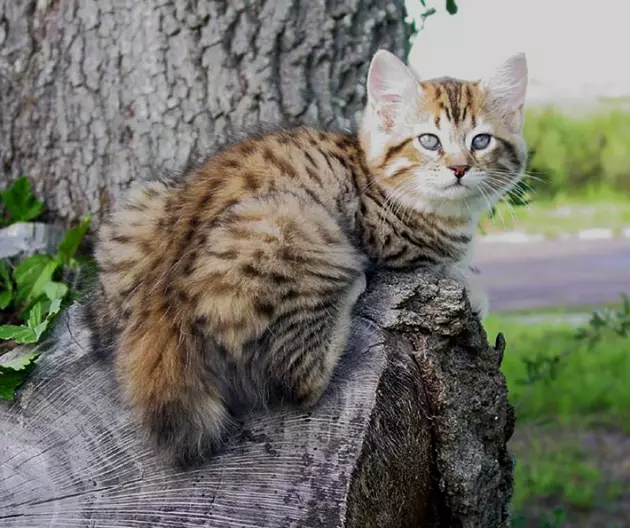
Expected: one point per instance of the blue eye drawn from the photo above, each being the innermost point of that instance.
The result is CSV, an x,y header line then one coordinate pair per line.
x,y
481,141
429,141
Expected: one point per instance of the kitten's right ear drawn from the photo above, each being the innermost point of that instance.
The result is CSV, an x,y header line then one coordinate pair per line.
x,y
390,87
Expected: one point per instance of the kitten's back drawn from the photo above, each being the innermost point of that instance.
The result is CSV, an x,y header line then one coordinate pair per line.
x,y
196,275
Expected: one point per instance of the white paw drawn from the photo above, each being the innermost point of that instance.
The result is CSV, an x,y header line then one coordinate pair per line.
x,y
476,296
478,300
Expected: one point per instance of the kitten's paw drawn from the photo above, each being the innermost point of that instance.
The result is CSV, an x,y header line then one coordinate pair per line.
x,y
476,296
478,300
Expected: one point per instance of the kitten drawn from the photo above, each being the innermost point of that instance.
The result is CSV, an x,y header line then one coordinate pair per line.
x,y
234,287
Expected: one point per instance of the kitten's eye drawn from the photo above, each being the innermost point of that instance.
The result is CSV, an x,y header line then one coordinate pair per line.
x,y
429,141
481,141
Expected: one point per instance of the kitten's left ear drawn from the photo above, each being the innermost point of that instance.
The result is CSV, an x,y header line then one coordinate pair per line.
x,y
391,86
507,88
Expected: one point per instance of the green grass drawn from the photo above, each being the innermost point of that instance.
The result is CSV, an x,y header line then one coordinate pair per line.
x,y
563,215
513,316
548,467
589,386
588,389
579,173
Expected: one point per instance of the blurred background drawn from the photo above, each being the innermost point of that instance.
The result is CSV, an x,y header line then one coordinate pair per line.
x,y
556,267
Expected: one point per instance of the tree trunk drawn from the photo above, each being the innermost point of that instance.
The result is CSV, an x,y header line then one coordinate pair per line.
x,y
97,93
411,433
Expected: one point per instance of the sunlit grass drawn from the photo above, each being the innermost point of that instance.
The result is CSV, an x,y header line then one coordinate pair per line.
x,y
588,385
548,465
563,215
588,391
578,170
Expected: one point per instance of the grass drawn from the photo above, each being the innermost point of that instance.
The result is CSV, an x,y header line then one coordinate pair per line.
x,y
587,393
589,386
549,467
579,168
563,215
495,322
556,466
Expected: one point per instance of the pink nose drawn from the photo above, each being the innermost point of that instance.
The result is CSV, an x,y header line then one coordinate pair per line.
x,y
459,170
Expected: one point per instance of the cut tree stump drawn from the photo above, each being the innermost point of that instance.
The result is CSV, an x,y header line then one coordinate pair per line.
x,y
411,433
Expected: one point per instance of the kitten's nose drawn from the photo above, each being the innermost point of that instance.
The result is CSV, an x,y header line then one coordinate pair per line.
x,y
459,170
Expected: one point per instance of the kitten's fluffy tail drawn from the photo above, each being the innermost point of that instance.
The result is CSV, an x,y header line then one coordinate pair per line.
x,y
160,368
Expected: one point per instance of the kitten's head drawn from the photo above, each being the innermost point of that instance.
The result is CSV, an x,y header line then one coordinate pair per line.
x,y
445,146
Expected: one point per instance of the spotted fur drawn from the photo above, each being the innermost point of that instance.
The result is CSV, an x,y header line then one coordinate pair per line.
x,y
233,287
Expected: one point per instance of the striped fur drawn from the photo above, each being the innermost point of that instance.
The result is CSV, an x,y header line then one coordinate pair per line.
x,y
233,287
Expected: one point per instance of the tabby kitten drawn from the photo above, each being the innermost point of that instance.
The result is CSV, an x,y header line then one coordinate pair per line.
x,y
234,286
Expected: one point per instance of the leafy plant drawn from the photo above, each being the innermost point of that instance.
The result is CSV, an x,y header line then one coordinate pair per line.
x,y
19,202
32,293
13,374
427,11
543,368
451,7
6,286
70,244
607,321
577,155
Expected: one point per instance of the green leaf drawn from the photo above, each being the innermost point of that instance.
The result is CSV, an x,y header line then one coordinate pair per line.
x,y
32,275
6,286
14,373
5,276
35,327
70,244
19,363
597,321
5,299
44,279
19,334
29,269
54,308
41,328
55,290
451,7
20,202
428,13
35,315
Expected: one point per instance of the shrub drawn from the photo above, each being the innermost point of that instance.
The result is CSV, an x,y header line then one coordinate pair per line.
x,y
576,155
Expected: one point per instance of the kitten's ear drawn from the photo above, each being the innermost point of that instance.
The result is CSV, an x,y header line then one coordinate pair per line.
x,y
507,87
390,87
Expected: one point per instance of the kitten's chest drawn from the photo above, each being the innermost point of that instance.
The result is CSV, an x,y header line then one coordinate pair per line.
x,y
396,241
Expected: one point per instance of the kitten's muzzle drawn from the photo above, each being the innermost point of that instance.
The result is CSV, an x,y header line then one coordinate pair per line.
x,y
459,171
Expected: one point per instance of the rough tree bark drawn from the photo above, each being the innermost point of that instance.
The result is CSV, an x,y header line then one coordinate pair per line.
x,y
97,93
412,433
